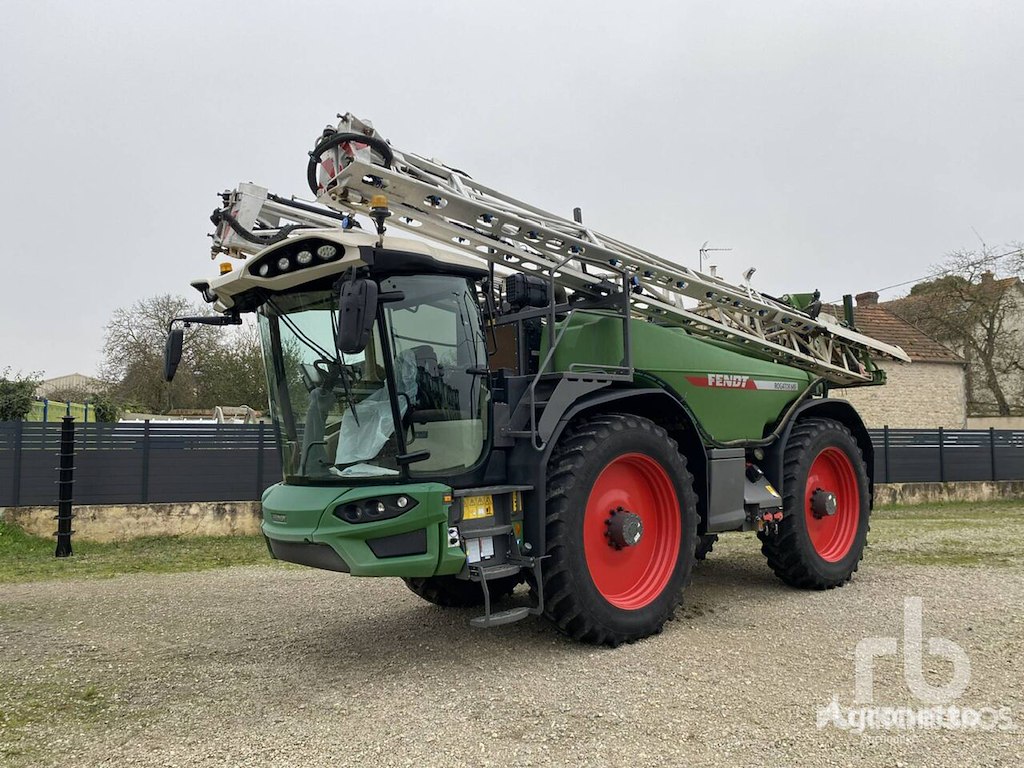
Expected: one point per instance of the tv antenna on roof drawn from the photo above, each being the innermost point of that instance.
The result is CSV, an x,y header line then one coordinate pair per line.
x,y
704,251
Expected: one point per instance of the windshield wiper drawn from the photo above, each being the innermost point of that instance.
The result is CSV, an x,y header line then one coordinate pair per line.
x,y
348,392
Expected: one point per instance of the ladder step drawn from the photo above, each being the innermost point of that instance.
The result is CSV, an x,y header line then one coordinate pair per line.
x,y
492,572
501,617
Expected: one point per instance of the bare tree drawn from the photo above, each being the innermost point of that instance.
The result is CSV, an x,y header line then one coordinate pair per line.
x,y
232,373
980,316
133,353
219,366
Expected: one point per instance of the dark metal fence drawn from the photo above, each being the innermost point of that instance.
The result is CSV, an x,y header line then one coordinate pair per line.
x,y
947,455
149,462
139,463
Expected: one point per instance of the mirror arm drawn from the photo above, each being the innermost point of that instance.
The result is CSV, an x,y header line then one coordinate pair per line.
x,y
230,319
172,350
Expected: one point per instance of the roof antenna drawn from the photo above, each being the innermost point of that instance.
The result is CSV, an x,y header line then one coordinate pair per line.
x,y
704,251
981,240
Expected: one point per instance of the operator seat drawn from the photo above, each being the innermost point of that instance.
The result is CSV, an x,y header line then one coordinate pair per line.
x,y
436,399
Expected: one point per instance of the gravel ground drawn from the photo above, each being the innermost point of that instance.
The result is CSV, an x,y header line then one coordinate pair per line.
x,y
271,666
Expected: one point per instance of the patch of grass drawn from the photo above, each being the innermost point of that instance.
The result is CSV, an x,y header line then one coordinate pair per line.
x,y
31,706
980,509
977,535
30,558
42,704
984,534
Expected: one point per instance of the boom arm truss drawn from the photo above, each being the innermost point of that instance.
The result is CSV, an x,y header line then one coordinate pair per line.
x,y
445,205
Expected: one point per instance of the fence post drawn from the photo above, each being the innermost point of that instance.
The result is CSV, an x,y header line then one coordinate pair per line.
x,y
46,409
65,484
992,450
19,430
942,456
145,462
885,452
259,463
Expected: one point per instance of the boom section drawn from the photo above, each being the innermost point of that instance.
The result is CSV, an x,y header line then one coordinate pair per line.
x,y
445,205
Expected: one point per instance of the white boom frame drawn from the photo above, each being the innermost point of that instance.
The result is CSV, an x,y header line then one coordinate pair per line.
x,y
445,205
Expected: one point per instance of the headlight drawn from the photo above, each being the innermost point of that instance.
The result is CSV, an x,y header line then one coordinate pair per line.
x,y
283,264
304,257
326,252
264,269
371,510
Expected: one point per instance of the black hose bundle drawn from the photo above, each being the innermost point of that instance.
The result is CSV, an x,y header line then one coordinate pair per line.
x,y
332,140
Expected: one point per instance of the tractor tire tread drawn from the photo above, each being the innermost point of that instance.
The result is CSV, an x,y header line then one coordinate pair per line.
x,y
782,550
562,604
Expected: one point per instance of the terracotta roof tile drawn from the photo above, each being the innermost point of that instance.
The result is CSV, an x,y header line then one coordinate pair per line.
x,y
877,321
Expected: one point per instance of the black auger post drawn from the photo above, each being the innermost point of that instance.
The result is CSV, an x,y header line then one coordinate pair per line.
x,y
65,484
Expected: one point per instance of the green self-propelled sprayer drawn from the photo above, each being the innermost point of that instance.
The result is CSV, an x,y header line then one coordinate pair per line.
x,y
507,396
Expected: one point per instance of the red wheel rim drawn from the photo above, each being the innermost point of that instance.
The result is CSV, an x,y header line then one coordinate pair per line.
x,y
633,576
832,535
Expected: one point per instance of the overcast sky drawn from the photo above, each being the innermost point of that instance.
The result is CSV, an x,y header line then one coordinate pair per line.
x,y
844,146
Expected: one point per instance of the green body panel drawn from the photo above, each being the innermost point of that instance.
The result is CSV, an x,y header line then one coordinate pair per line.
x,y
726,402
303,513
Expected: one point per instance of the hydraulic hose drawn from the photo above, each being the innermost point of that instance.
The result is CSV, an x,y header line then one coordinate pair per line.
x,y
245,234
332,140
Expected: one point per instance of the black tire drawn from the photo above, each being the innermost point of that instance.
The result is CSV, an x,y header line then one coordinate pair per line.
x,y
791,553
450,592
705,544
573,601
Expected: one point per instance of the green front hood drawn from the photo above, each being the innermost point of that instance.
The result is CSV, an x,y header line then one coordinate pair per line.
x,y
304,514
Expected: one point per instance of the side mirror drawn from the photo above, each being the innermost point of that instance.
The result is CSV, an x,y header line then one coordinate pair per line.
x,y
357,308
172,352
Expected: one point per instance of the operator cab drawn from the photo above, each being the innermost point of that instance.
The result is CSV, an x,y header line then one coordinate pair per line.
x,y
376,359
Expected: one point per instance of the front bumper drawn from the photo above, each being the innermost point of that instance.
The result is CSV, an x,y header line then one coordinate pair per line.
x,y
300,527
302,553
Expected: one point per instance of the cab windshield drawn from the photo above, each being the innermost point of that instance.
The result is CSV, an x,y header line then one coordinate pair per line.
x,y
418,389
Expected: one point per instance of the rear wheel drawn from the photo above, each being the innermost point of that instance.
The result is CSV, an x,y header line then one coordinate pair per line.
x,y
827,504
621,529
450,592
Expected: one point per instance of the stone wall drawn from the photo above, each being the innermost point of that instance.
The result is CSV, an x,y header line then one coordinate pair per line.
x,y
119,522
242,518
916,396
996,422
890,494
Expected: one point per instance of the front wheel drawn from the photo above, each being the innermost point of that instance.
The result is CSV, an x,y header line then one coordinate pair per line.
x,y
621,529
827,502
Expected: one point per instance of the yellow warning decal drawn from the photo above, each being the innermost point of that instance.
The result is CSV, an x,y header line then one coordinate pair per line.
x,y
476,507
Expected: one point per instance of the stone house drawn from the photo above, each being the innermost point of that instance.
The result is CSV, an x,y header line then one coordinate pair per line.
x,y
1000,329
928,393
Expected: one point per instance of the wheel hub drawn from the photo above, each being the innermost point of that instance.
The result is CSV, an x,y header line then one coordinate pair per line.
x,y
823,503
624,528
